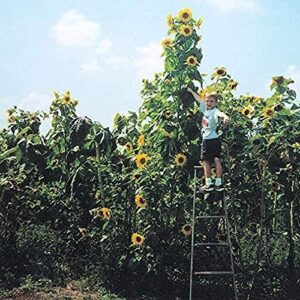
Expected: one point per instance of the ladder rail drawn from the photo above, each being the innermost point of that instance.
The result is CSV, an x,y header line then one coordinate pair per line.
x,y
227,225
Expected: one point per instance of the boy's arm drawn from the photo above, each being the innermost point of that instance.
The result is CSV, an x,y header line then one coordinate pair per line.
x,y
222,115
195,95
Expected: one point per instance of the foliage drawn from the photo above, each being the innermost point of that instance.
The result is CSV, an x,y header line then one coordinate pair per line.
x,y
83,198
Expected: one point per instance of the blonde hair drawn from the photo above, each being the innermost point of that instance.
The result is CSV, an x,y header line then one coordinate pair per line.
x,y
213,95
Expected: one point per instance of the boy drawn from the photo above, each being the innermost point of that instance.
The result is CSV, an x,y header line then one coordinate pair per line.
x,y
211,146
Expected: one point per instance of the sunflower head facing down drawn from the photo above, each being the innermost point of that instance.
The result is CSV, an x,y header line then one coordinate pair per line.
x,y
141,160
180,159
186,30
185,15
191,61
140,201
137,239
186,229
170,21
141,140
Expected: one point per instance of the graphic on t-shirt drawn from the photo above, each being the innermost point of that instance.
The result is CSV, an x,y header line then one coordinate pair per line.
x,y
204,122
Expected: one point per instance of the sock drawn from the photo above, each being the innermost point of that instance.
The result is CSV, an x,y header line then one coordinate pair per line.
x,y
208,181
218,181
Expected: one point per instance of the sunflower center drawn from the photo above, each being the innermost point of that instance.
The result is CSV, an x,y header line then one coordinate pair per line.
x,y
180,159
142,200
187,30
187,228
143,160
247,111
192,61
269,112
138,239
185,15
220,72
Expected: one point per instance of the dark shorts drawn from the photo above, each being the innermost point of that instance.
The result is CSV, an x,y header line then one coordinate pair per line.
x,y
210,149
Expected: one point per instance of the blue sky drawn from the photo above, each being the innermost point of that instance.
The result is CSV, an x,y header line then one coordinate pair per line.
x,y
101,49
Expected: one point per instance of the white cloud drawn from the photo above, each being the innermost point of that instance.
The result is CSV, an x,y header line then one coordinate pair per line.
x,y
75,30
104,46
34,101
91,67
235,5
294,73
149,60
116,60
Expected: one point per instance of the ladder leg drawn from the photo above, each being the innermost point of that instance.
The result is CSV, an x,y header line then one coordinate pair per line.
x,y
230,247
193,235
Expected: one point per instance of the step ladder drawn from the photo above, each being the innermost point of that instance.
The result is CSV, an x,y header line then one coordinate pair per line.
x,y
224,216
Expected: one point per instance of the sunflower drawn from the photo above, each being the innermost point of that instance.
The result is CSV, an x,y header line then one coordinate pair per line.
x,y
67,98
220,72
141,140
199,22
128,146
232,84
268,112
137,239
255,99
180,159
191,61
279,80
82,230
185,15
141,160
167,42
186,30
140,201
186,229
275,186
296,145
247,111
104,213
170,21
168,114
11,119
203,93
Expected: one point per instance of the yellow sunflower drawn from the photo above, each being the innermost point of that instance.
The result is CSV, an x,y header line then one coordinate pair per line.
x,y
67,98
104,213
186,30
191,61
128,146
140,201
167,42
168,114
82,230
185,15
170,21
232,84
11,119
247,111
137,239
279,80
180,159
141,140
203,93
141,160
268,112
220,72
199,22
255,99
186,229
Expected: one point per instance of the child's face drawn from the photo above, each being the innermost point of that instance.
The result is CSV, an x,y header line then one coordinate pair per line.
x,y
210,102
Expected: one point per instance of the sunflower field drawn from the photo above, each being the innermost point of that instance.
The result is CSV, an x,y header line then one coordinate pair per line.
x,y
116,204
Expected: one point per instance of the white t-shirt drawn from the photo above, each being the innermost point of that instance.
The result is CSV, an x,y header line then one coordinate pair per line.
x,y
209,122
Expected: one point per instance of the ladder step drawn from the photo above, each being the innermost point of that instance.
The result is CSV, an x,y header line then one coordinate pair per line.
x,y
212,244
211,217
214,273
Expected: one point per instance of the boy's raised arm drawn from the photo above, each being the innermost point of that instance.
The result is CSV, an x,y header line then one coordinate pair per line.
x,y
195,95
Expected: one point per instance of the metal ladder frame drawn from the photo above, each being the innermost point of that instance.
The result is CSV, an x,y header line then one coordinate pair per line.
x,y
225,216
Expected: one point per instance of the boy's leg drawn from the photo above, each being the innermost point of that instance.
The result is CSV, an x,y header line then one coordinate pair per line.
x,y
219,172
207,173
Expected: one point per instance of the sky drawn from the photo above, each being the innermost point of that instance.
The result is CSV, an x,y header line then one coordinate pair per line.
x,y
100,50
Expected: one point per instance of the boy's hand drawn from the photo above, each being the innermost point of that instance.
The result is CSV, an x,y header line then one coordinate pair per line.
x,y
226,120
